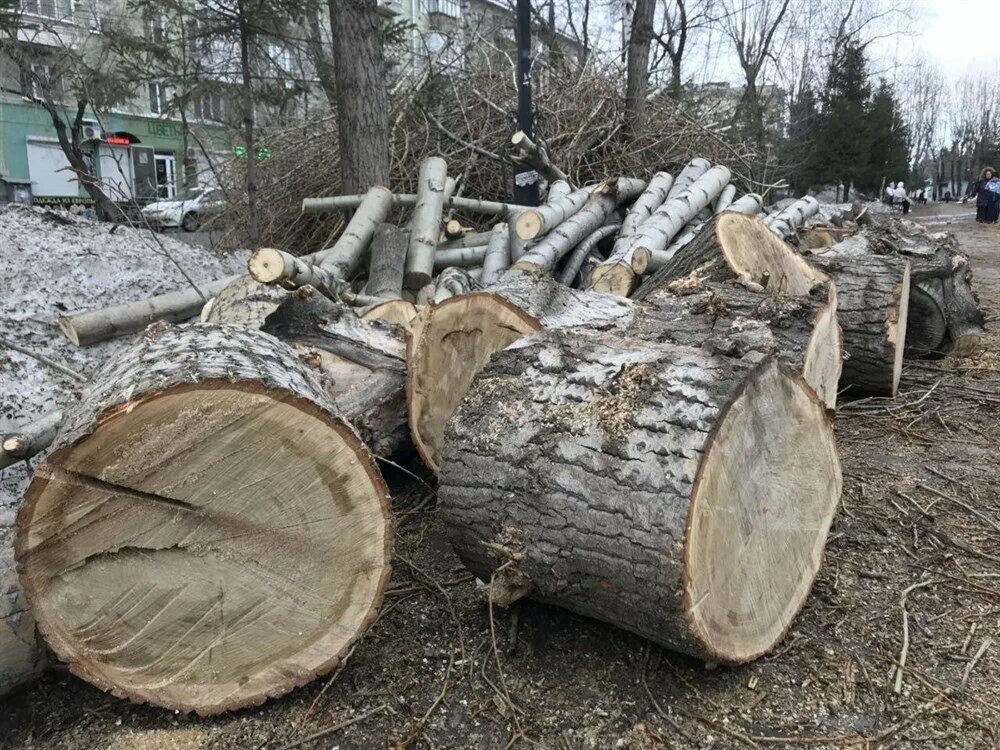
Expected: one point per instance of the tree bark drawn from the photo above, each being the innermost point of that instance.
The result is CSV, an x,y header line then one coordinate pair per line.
x,y
208,531
29,439
637,71
386,262
347,256
425,223
497,259
791,219
651,199
535,222
362,99
691,172
23,656
683,496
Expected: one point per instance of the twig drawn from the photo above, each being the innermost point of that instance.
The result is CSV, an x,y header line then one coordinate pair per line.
x,y
975,659
334,728
44,360
898,686
413,734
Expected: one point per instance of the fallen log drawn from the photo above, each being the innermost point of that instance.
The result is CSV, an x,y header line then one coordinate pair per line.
x,y
926,324
682,496
749,204
473,255
558,189
537,158
497,258
425,223
727,318
453,281
873,303
571,268
386,262
408,200
348,253
452,341
244,302
619,273
692,171
95,326
535,222
725,199
651,199
23,656
473,239
787,221
734,245
208,531
29,439
396,312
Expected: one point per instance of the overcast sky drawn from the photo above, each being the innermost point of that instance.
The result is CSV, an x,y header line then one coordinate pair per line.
x,y
960,35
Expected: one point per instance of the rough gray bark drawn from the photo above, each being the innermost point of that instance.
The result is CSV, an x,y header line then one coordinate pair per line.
x,y
453,281
23,656
873,293
574,468
29,439
160,512
637,68
386,262
362,99
244,302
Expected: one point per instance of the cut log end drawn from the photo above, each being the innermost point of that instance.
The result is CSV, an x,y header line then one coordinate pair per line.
x,y
397,312
206,546
756,254
896,328
267,265
528,224
617,279
824,356
755,538
451,342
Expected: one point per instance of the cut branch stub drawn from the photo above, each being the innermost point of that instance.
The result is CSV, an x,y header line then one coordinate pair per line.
x,y
208,532
680,495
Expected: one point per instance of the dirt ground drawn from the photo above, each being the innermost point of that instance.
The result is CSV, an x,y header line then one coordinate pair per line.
x,y
920,519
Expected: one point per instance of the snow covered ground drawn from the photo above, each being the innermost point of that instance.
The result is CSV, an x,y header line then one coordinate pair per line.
x,y
52,263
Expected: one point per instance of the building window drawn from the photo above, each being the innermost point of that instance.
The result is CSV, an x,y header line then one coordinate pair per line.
x,y
38,80
154,28
157,98
448,8
209,105
46,8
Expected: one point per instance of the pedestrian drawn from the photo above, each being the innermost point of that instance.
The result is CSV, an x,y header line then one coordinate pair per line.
x,y
985,198
887,199
899,197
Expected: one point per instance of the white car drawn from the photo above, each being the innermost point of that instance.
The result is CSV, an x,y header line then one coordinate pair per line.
x,y
187,214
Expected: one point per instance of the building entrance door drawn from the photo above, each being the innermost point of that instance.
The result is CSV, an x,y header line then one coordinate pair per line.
x,y
166,176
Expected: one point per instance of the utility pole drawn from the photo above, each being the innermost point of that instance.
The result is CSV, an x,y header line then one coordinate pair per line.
x,y
525,178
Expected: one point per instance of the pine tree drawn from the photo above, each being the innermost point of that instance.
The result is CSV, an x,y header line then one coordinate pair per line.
x,y
803,118
888,157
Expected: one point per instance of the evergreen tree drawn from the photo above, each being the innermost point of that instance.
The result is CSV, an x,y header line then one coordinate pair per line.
x,y
803,118
888,156
842,143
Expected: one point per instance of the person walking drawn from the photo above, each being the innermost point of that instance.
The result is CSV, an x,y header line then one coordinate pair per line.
x,y
986,199
900,198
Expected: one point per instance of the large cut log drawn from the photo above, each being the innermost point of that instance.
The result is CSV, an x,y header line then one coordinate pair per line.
x,y
396,312
726,317
680,495
734,245
748,204
425,223
873,303
926,324
619,273
208,531
84,329
244,302
361,362
450,342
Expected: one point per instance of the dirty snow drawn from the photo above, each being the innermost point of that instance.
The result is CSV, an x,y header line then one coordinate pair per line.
x,y
51,263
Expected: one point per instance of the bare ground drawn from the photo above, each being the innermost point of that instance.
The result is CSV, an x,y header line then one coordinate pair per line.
x,y
920,514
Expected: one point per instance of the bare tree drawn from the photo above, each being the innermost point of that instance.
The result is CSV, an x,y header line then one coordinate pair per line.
x,y
923,98
362,99
637,71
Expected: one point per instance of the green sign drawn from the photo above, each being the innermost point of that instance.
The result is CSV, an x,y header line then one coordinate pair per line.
x,y
262,152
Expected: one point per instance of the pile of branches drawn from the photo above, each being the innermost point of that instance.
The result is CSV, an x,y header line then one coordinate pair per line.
x,y
467,119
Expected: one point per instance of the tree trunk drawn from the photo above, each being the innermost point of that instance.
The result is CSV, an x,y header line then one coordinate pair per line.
x,y
249,128
749,204
244,302
680,495
786,222
386,262
734,245
208,531
651,199
497,258
873,293
347,256
691,172
362,99
637,71
23,656
452,341
29,439
535,222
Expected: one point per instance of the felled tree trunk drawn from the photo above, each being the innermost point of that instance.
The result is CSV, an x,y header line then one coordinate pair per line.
x,y
208,531
453,340
651,199
691,172
789,220
29,439
425,223
361,363
348,254
734,245
497,258
23,656
535,222
926,324
728,318
244,302
873,295
749,204
683,496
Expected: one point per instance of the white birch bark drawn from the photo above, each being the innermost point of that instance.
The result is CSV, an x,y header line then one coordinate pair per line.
x,y
558,189
453,281
497,258
575,261
691,172
725,199
271,266
425,223
651,199
748,204
536,157
786,222
535,222
468,240
407,200
617,275
348,253
460,256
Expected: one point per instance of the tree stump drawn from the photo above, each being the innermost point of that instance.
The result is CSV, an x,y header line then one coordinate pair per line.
x,y
207,532
681,495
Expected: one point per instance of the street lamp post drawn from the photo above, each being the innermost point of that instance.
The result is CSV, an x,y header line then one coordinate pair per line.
x,y
525,178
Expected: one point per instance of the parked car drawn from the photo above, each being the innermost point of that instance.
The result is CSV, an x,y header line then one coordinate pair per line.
x,y
188,214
